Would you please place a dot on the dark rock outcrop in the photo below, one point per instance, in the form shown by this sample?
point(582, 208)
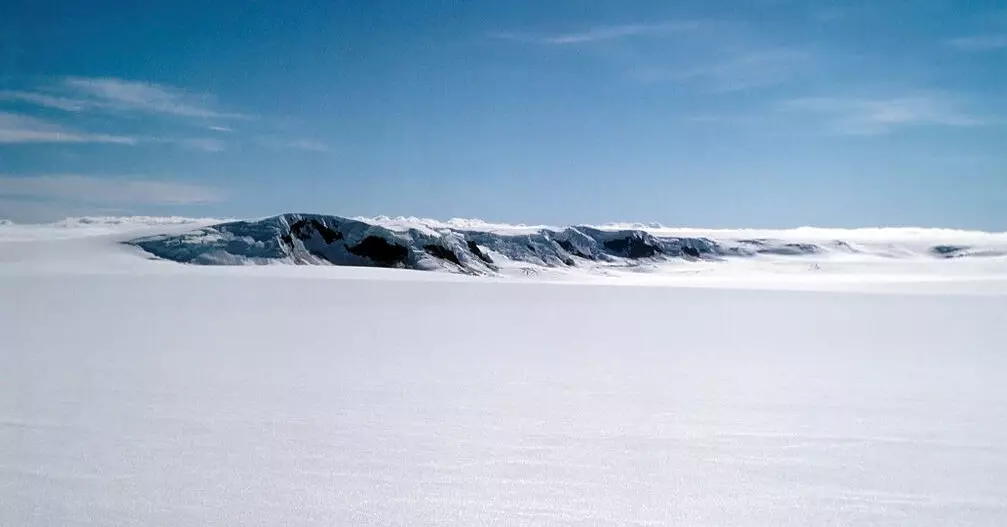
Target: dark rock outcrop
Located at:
point(444, 254)
point(948, 251)
point(303, 229)
point(380, 251)
point(569, 247)
point(474, 249)
point(633, 246)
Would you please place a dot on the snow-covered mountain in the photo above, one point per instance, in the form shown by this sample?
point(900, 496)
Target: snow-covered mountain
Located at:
point(475, 247)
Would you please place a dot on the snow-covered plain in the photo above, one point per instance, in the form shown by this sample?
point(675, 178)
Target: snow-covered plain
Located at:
point(822, 390)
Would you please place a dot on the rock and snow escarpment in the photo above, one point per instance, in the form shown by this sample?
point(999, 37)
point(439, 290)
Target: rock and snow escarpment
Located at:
point(331, 240)
point(314, 239)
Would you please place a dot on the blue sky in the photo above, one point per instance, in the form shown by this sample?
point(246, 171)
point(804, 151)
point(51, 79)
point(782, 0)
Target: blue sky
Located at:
point(762, 113)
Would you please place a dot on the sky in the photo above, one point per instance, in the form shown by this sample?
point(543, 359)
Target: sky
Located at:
point(758, 113)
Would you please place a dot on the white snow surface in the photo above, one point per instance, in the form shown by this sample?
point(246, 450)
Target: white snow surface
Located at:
point(91, 226)
point(135, 391)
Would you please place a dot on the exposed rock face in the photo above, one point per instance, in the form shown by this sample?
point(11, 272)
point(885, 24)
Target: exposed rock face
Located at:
point(634, 246)
point(570, 248)
point(948, 251)
point(304, 229)
point(474, 248)
point(442, 253)
point(380, 251)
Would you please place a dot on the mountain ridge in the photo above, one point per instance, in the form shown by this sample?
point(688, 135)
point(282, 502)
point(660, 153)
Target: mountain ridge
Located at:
point(475, 247)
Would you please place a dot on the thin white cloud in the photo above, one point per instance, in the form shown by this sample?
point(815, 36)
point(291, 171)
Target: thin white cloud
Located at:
point(80, 94)
point(106, 190)
point(225, 129)
point(860, 116)
point(717, 56)
point(746, 70)
point(145, 97)
point(980, 42)
point(600, 33)
point(41, 99)
point(16, 128)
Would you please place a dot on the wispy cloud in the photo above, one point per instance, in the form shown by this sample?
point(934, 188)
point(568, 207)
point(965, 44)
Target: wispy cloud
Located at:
point(860, 116)
point(988, 42)
point(42, 99)
point(745, 70)
point(16, 128)
point(718, 56)
point(80, 94)
point(106, 190)
point(146, 97)
point(600, 33)
point(113, 96)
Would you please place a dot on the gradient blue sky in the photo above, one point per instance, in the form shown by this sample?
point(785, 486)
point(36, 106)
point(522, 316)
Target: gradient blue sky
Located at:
point(759, 113)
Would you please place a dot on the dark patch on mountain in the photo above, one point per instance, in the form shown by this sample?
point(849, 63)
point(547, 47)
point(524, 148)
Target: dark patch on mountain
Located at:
point(301, 230)
point(380, 251)
point(632, 246)
point(474, 248)
point(443, 253)
point(948, 251)
point(569, 247)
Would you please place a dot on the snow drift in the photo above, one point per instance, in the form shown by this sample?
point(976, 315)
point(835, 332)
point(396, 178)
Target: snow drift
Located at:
point(477, 248)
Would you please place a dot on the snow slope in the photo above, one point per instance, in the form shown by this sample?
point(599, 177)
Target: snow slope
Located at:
point(135, 391)
point(89, 226)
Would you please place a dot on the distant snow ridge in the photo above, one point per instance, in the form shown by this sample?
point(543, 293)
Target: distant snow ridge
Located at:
point(89, 221)
point(460, 246)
